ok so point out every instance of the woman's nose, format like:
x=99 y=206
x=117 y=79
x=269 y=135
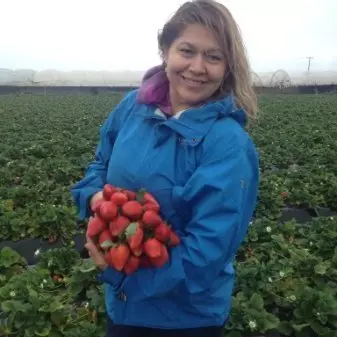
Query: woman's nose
x=197 y=64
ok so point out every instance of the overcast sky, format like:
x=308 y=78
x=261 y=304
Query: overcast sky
x=121 y=34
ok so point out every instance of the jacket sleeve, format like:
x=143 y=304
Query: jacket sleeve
x=95 y=176
x=222 y=195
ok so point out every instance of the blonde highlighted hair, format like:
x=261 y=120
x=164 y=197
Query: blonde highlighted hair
x=216 y=17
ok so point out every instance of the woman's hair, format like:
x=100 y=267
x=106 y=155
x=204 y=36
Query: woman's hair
x=219 y=20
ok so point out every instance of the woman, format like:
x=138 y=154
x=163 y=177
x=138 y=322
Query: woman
x=182 y=137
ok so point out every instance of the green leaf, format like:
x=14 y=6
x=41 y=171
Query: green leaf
x=270 y=322
x=87 y=267
x=131 y=229
x=256 y=301
x=300 y=327
x=107 y=244
x=285 y=328
x=52 y=306
x=13 y=306
x=321 y=268
x=10 y=257
x=43 y=330
x=334 y=258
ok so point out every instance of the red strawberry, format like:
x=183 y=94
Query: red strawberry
x=108 y=210
x=144 y=197
x=95 y=226
x=151 y=219
x=152 y=247
x=95 y=207
x=108 y=190
x=150 y=206
x=119 y=198
x=139 y=250
x=104 y=236
x=149 y=198
x=145 y=262
x=119 y=255
x=130 y=194
x=162 y=232
x=174 y=240
x=132 y=265
x=162 y=259
x=134 y=236
x=132 y=209
x=118 y=225
x=52 y=238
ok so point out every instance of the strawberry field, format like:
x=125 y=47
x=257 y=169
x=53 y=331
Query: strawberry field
x=286 y=268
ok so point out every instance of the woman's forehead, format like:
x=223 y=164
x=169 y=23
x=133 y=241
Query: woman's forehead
x=200 y=37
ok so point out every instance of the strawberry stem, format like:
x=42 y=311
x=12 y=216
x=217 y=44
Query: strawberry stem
x=140 y=195
x=131 y=229
x=107 y=244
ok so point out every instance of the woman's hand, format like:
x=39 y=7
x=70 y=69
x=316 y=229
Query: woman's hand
x=95 y=197
x=96 y=255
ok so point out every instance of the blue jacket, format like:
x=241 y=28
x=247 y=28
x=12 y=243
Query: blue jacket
x=202 y=167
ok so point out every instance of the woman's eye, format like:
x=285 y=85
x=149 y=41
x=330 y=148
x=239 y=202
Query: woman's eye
x=214 y=57
x=186 y=51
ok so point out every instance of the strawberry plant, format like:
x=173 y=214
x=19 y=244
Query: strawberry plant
x=286 y=270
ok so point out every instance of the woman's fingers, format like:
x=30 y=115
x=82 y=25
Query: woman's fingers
x=96 y=256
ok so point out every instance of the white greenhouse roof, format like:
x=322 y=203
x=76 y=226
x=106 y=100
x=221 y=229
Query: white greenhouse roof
x=30 y=77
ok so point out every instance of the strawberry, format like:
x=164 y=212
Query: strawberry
x=150 y=206
x=108 y=210
x=132 y=209
x=104 y=236
x=152 y=247
x=145 y=262
x=52 y=238
x=162 y=232
x=95 y=207
x=139 y=250
x=141 y=223
x=118 y=225
x=161 y=260
x=151 y=219
x=130 y=194
x=132 y=265
x=144 y=197
x=149 y=198
x=108 y=190
x=56 y=277
x=174 y=240
x=95 y=226
x=119 y=198
x=134 y=236
x=119 y=255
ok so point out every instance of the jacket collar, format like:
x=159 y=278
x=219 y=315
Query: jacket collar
x=194 y=123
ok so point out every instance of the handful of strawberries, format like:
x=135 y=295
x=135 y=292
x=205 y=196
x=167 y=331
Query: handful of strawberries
x=127 y=227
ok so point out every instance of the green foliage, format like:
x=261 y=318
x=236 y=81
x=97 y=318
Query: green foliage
x=286 y=282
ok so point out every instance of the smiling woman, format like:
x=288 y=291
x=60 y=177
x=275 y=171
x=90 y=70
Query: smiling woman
x=204 y=56
x=195 y=67
x=182 y=136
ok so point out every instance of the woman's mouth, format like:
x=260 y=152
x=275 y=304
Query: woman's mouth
x=193 y=82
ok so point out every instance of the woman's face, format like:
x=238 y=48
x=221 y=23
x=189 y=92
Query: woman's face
x=195 y=67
